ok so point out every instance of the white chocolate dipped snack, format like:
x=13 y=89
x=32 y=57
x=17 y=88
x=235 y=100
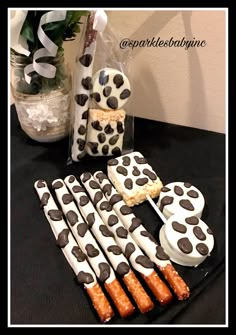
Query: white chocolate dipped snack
x=75 y=257
x=105 y=132
x=111 y=88
x=95 y=255
x=182 y=198
x=143 y=238
x=139 y=261
x=133 y=178
x=83 y=86
x=187 y=240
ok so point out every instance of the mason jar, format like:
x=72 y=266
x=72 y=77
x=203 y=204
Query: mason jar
x=43 y=106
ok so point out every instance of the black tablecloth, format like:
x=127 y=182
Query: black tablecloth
x=43 y=286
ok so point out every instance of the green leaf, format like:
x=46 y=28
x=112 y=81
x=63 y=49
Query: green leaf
x=27 y=30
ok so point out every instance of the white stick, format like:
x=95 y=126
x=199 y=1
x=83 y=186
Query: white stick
x=156 y=209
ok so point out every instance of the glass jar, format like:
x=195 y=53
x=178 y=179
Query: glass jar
x=43 y=106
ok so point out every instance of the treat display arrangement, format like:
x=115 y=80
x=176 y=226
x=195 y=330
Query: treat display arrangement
x=125 y=272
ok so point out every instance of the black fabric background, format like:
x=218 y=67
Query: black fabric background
x=43 y=287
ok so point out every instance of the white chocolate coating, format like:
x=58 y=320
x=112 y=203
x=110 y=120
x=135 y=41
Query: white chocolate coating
x=97 y=227
x=171 y=190
x=57 y=227
x=135 y=170
x=138 y=232
x=124 y=239
x=105 y=132
x=108 y=91
x=169 y=239
x=85 y=240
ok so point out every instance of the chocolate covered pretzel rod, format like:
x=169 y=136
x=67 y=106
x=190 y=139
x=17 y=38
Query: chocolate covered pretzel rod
x=75 y=257
x=139 y=261
x=90 y=247
x=106 y=239
x=143 y=238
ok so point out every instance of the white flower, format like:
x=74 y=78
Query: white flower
x=18 y=42
x=41 y=117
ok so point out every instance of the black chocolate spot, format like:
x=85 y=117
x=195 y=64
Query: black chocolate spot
x=185 y=245
x=67 y=198
x=126 y=160
x=166 y=201
x=122 y=170
x=160 y=253
x=85 y=115
x=122 y=232
x=108 y=129
x=116 y=151
x=112 y=102
x=112 y=162
x=105 y=149
x=114 y=139
x=83 y=200
x=57 y=184
x=118 y=80
x=86 y=176
x=129 y=249
x=82 y=130
x=128 y=183
x=105 y=231
x=41 y=183
x=71 y=179
x=105 y=206
x=101 y=176
x=119 y=127
x=193 y=220
x=144 y=261
x=103 y=79
x=186 y=204
x=86 y=60
x=81 y=99
x=44 y=199
x=141 y=181
x=140 y=160
x=84 y=277
x=82 y=229
x=96 y=96
x=91 y=251
x=101 y=138
x=149 y=235
x=115 y=249
x=122 y=269
x=81 y=144
x=107 y=189
x=135 y=171
x=115 y=198
x=105 y=271
x=107 y=91
x=150 y=174
x=77 y=189
x=96 y=125
x=202 y=249
x=72 y=217
x=125 y=94
x=165 y=189
x=180 y=228
x=199 y=233
x=90 y=219
x=209 y=231
x=62 y=239
x=178 y=190
x=55 y=214
x=93 y=146
x=112 y=220
x=136 y=222
x=87 y=83
x=94 y=185
x=79 y=255
x=98 y=196
x=125 y=210
x=187 y=185
x=192 y=194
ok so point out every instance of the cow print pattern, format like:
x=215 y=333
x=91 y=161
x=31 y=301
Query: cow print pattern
x=111 y=89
